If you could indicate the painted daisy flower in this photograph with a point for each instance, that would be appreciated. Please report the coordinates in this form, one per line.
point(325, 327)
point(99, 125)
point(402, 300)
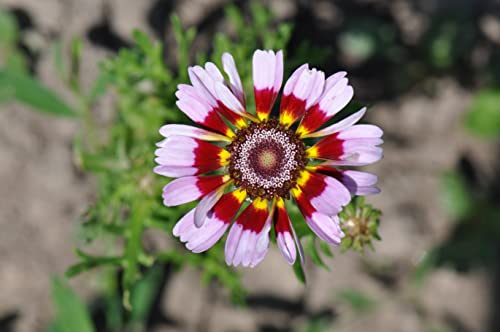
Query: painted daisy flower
point(253, 162)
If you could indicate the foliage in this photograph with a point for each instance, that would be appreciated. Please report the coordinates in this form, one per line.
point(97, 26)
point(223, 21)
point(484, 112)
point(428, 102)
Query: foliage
point(71, 313)
point(16, 84)
point(358, 301)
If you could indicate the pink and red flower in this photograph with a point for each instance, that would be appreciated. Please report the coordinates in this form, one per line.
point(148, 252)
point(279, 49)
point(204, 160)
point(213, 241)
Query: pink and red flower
point(243, 166)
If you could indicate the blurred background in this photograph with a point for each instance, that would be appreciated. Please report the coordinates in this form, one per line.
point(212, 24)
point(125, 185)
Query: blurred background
point(428, 70)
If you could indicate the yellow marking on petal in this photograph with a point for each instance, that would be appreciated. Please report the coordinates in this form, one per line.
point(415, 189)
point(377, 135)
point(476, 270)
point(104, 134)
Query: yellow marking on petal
point(230, 133)
point(226, 178)
point(280, 203)
point(296, 192)
point(312, 152)
point(312, 168)
point(302, 131)
point(260, 203)
point(286, 118)
point(240, 194)
point(303, 178)
point(241, 123)
point(262, 116)
point(224, 156)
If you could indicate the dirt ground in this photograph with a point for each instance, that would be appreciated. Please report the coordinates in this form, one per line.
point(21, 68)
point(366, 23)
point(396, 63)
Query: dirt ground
point(42, 196)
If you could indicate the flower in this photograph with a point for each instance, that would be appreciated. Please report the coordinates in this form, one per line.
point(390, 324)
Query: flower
point(255, 162)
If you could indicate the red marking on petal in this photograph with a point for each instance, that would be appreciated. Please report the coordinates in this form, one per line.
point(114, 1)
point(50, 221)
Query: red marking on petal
point(329, 170)
point(207, 184)
point(253, 217)
point(206, 153)
point(281, 220)
point(228, 114)
point(314, 186)
point(329, 147)
point(215, 122)
point(312, 120)
point(304, 205)
point(227, 207)
point(207, 157)
point(292, 108)
point(264, 100)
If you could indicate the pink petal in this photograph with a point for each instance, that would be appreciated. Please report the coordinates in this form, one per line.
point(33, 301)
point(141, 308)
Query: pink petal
point(360, 183)
point(199, 239)
point(333, 197)
point(292, 80)
point(360, 131)
point(234, 78)
point(228, 99)
point(190, 188)
point(175, 171)
point(206, 204)
point(190, 131)
point(341, 125)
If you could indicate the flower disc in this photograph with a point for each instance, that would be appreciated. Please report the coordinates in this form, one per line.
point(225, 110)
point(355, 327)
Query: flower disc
point(266, 159)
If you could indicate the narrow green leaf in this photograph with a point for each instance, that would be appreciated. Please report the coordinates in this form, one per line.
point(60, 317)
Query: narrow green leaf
point(456, 196)
point(299, 271)
point(313, 251)
point(71, 313)
point(144, 293)
point(29, 91)
point(356, 299)
point(325, 248)
point(57, 51)
point(9, 32)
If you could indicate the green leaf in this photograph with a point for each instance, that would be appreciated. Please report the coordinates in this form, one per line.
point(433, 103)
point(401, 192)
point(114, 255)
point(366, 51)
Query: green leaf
point(325, 248)
point(424, 267)
point(484, 116)
point(9, 32)
point(356, 299)
point(71, 312)
point(57, 51)
point(144, 293)
point(29, 91)
point(313, 251)
point(299, 271)
point(99, 87)
point(456, 196)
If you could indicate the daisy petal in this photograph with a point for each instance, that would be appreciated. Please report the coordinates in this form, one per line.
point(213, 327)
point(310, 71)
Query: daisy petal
point(301, 91)
point(358, 183)
point(216, 223)
point(244, 238)
point(336, 95)
point(181, 156)
point(325, 227)
point(199, 110)
point(190, 131)
point(190, 188)
point(229, 100)
point(355, 146)
point(205, 79)
point(234, 78)
point(284, 234)
point(202, 238)
point(267, 70)
point(341, 125)
point(325, 193)
point(206, 204)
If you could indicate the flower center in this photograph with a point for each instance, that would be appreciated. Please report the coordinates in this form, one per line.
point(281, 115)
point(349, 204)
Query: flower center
point(266, 159)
